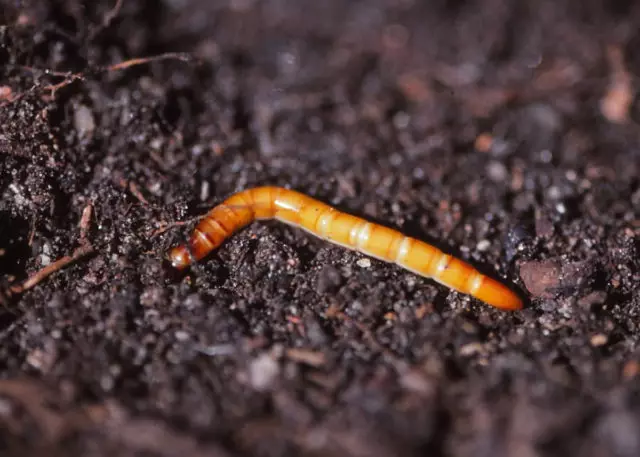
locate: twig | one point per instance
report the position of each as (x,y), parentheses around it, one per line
(53,88)
(106,20)
(85,222)
(312,358)
(47,271)
(84,249)
(184,57)
(70,78)
(135,191)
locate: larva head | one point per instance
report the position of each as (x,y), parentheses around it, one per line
(179,257)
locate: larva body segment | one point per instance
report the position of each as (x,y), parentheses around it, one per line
(345,230)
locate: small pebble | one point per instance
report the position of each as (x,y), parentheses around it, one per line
(204,191)
(181,335)
(263,372)
(599,339)
(470,349)
(631,369)
(83,121)
(497,172)
(483,142)
(541,278)
(483,245)
(364,262)
(548,278)
(417,382)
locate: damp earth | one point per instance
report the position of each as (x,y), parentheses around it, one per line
(506,133)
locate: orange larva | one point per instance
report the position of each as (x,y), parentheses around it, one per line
(345,230)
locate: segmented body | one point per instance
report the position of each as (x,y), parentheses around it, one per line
(344,229)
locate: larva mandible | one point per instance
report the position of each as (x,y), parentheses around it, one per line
(344,229)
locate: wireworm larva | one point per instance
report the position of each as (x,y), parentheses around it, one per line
(345,230)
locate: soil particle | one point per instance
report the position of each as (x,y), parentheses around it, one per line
(551,277)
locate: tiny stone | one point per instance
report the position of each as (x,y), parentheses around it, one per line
(364,262)
(204,191)
(156,143)
(541,278)
(181,335)
(197,150)
(554,193)
(37,359)
(546,156)
(5,407)
(83,121)
(416,381)
(401,120)
(483,245)
(497,172)
(263,371)
(107,383)
(193,301)
(598,340)
(470,349)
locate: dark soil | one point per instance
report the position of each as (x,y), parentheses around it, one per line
(504,131)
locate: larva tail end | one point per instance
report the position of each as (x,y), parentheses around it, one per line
(498,295)
(179,257)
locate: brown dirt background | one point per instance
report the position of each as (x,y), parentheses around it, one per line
(507,132)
